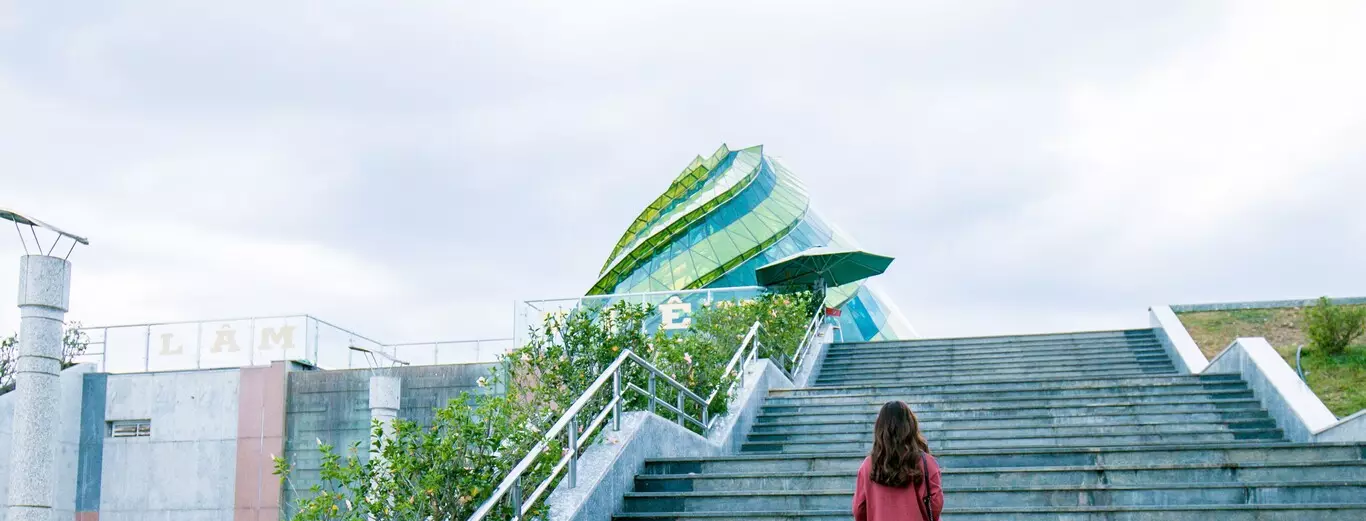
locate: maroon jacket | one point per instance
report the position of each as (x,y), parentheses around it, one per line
(874,502)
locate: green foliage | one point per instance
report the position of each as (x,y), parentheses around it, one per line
(1331,328)
(1337,379)
(446,470)
(417,473)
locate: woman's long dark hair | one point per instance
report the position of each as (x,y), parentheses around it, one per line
(897,447)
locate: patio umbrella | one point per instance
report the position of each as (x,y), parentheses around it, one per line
(822,268)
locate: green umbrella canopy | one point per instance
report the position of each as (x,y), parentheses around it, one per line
(822,268)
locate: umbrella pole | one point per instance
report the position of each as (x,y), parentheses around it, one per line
(820,294)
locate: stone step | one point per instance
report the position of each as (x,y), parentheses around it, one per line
(1003,411)
(979,376)
(1346,470)
(1169,454)
(911,359)
(1024,383)
(1160,494)
(971,365)
(1004,350)
(901,354)
(931,372)
(1243,417)
(946,393)
(1047,338)
(937,403)
(968,363)
(987,380)
(992,347)
(1326,512)
(1080,440)
(1031,432)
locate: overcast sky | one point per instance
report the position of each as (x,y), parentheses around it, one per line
(410,169)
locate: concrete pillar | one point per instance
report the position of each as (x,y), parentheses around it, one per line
(384,398)
(44,291)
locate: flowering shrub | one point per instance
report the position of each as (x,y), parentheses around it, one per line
(446,470)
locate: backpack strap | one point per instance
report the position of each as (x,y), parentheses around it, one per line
(926,507)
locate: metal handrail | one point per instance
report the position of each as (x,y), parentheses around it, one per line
(807,338)
(511,485)
(1299,369)
(752,340)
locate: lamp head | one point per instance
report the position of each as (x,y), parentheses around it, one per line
(34,224)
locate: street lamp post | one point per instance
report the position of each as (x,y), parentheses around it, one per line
(44,294)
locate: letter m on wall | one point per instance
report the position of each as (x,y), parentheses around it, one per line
(277,337)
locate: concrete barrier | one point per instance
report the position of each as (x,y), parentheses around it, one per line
(1297,410)
(815,355)
(1185,355)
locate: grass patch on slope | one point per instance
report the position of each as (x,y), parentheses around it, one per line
(1340,381)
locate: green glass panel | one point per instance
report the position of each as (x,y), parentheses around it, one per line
(708,246)
(724,247)
(756,226)
(702,250)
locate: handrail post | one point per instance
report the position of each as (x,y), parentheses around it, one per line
(680,408)
(616,395)
(515,498)
(573,452)
(653,396)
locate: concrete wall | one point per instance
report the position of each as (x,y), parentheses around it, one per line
(185,470)
(260,438)
(333,407)
(68,438)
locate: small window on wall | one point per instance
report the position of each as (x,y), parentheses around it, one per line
(130,428)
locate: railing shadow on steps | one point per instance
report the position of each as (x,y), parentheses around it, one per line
(510,489)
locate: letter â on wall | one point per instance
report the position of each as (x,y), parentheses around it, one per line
(226,340)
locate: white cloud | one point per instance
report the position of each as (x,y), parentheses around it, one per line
(409,171)
(138,272)
(1222,131)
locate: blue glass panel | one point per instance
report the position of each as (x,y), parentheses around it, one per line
(859,314)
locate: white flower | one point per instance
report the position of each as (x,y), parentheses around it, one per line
(531,427)
(687,358)
(483,382)
(526,357)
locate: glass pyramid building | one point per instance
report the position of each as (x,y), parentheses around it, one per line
(723,217)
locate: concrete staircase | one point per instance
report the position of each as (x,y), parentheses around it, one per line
(1079,426)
